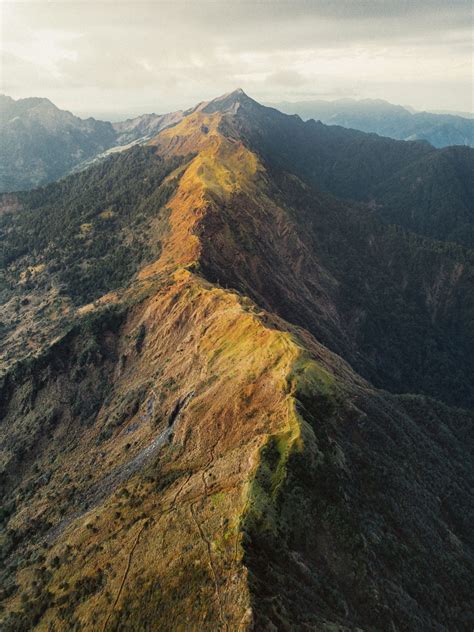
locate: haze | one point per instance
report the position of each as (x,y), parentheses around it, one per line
(119,59)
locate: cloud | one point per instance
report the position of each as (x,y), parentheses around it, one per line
(287,78)
(125,57)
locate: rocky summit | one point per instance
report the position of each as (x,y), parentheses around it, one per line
(236,388)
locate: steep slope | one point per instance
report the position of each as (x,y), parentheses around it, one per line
(174,436)
(184,459)
(397,307)
(408,183)
(144,127)
(386,119)
(40,143)
(444,176)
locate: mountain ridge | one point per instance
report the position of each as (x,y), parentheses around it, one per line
(250,478)
(92,140)
(40,143)
(387,119)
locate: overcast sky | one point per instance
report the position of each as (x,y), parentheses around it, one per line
(115,59)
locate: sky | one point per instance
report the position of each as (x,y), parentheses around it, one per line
(116,59)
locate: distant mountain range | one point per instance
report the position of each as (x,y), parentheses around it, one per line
(40,143)
(386,119)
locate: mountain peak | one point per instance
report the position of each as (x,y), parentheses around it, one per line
(236,95)
(231,101)
(237,92)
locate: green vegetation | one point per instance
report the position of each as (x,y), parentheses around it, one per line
(89,232)
(356,537)
(427,190)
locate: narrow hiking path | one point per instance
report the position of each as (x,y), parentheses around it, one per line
(125,575)
(211,564)
(170,509)
(193,503)
(203,536)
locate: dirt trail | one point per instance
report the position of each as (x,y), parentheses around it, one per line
(203,536)
(124,577)
(211,565)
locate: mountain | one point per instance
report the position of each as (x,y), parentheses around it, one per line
(386,119)
(426,190)
(40,143)
(144,127)
(232,397)
(468,115)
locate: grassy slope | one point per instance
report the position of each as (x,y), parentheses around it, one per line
(202,350)
(187,344)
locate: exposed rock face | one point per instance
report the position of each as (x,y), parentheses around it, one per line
(197,452)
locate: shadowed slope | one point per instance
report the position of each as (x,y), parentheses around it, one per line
(410,184)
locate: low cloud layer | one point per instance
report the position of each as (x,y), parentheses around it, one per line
(117,59)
